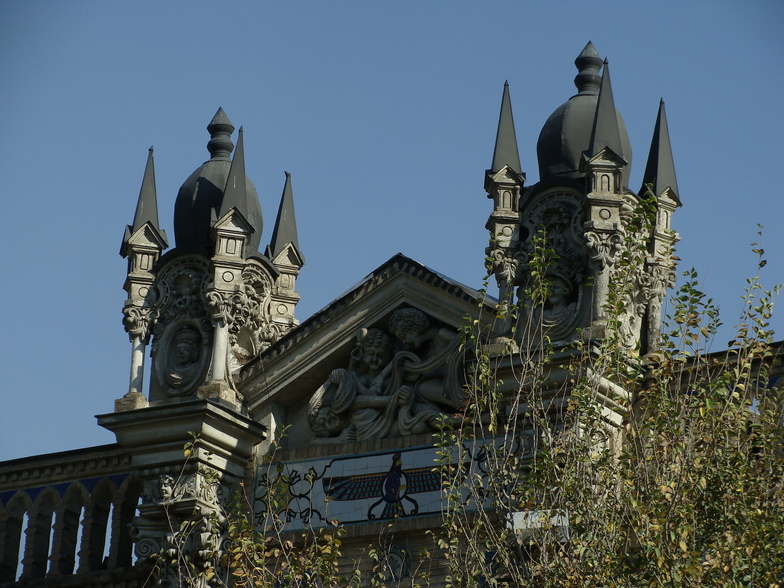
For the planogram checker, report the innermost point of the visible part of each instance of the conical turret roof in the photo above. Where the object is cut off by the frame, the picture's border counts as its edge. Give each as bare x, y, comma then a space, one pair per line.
660, 168
285, 231
505, 152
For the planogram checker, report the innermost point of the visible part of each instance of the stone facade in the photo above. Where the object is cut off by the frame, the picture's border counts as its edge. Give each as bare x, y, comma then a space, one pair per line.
335, 414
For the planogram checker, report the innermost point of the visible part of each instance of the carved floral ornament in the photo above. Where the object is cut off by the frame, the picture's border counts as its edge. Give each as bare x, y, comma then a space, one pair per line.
398, 382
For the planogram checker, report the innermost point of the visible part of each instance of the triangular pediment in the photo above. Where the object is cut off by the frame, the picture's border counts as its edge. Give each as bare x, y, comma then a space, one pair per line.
605, 157
234, 221
289, 255
505, 175
146, 236
288, 373
669, 197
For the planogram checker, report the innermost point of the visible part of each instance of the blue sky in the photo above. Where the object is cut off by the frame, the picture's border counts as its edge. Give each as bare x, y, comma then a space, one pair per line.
384, 113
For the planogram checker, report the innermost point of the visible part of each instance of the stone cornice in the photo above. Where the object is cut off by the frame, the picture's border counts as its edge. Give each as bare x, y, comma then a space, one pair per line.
64, 466
397, 264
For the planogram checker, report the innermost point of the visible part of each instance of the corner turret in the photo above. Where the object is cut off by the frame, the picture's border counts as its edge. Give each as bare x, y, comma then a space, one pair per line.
503, 183
142, 244
286, 256
580, 211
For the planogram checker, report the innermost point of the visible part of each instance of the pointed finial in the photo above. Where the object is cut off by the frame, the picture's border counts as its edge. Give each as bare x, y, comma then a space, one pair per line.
605, 133
235, 193
660, 168
285, 230
505, 152
147, 205
588, 64
220, 129
146, 209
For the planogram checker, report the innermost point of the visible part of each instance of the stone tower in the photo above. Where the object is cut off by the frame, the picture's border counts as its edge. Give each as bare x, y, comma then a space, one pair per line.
206, 308
580, 209
214, 301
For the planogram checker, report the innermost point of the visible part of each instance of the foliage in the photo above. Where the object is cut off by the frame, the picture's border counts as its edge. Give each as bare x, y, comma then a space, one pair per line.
684, 490
585, 464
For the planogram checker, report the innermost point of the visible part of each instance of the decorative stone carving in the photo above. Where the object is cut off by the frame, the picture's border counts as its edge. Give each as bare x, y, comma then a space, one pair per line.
557, 219
386, 394
137, 321
182, 333
182, 522
604, 247
434, 362
251, 328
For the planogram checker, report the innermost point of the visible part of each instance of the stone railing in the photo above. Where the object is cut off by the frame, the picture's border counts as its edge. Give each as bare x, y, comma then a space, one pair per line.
64, 518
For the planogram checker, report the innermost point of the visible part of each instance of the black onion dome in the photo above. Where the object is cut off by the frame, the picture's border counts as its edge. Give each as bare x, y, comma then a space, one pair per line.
200, 197
567, 133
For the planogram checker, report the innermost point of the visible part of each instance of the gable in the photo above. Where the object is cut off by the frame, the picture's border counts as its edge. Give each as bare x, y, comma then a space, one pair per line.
288, 374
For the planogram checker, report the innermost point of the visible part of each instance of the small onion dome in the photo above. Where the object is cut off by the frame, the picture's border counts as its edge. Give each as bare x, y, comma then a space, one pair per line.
199, 199
567, 133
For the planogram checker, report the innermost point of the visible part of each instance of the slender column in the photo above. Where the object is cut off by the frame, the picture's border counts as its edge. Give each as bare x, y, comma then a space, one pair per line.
137, 366
219, 351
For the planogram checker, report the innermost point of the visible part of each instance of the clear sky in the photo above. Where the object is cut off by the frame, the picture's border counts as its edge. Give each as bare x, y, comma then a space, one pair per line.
384, 113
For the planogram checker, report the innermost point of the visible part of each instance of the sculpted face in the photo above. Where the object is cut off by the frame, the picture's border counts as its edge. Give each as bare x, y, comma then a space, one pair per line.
558, 292
186, 351
329, 420
375, 356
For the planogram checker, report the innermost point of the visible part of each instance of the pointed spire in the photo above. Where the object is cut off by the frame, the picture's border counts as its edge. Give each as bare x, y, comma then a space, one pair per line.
147, 206
605, 132
505, 152
285, 230
220, 129
588, 64
660, 169
236, 195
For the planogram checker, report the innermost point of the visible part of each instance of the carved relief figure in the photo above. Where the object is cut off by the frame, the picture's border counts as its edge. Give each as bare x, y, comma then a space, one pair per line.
433, 363
561, 302
182, 333
556, 217
183, 364
380, 395
354, 403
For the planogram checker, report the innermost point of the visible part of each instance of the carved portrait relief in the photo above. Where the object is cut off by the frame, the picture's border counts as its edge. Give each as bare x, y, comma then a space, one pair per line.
556, 217
182, 334
397, 383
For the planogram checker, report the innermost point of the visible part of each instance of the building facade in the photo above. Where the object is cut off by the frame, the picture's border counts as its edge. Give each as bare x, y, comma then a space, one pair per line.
332, 418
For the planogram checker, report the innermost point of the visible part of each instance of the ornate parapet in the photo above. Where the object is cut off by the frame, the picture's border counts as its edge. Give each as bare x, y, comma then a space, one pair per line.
64, 517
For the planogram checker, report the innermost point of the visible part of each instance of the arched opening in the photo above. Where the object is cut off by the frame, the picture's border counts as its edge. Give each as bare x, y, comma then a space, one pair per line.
130, 497
39, 535
68, 530
96, 523
12, 524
